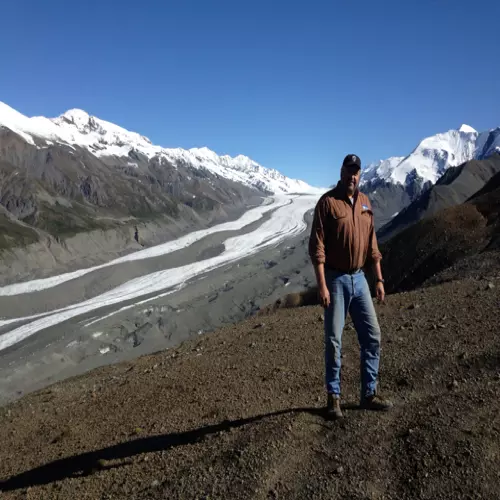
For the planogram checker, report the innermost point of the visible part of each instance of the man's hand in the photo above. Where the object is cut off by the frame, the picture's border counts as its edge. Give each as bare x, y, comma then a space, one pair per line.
324, 296
380, 292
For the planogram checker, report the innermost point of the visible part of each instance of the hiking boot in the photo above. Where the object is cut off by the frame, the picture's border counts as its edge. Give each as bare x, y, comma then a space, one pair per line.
376, 403
333, 410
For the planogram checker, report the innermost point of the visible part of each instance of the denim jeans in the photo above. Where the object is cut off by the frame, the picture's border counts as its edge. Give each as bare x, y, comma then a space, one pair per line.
350, 293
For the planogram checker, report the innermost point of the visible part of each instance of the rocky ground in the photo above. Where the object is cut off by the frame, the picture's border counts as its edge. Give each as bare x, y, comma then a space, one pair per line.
238, 413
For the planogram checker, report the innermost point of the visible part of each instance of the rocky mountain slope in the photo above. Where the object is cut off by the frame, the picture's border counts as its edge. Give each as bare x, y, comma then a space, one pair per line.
239, 413
455, 186
62, 190
456, 241
394, 183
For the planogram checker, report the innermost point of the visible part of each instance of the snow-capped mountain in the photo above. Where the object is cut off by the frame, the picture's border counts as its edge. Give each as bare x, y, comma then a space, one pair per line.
105, 139
433, 156
394, 183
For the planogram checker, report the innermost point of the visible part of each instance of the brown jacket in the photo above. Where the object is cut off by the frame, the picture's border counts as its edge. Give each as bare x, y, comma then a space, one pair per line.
343, 234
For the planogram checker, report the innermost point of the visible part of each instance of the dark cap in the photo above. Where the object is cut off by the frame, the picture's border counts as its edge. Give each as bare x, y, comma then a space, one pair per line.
351, 160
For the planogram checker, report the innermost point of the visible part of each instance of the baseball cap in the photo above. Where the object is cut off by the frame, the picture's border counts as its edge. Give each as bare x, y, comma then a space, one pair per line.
351, 160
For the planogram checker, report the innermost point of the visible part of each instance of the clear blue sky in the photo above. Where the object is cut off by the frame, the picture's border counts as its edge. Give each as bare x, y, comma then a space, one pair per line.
293, 84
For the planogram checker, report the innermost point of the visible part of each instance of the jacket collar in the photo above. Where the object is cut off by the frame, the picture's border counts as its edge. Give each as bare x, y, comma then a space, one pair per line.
342, 192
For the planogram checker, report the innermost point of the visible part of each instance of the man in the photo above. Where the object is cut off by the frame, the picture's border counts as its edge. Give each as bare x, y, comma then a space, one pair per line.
341, 243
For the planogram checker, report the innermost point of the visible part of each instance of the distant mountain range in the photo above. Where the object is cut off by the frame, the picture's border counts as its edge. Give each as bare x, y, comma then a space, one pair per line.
107, 140
394, 183
76, 173
63, 176
456, 186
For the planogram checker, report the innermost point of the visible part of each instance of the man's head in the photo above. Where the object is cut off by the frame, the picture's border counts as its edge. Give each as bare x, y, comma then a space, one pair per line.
350, 173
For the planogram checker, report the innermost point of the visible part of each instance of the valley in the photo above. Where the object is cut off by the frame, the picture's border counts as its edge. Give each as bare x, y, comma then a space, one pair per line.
153, 299
174, 179
176, 284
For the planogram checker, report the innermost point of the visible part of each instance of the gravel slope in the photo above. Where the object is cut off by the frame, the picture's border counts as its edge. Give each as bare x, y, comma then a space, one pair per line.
238, 413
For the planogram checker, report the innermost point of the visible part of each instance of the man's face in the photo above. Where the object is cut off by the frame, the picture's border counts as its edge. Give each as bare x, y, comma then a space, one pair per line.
349, 176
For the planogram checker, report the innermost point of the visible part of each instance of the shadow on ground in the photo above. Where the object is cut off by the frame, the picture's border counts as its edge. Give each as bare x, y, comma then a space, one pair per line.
86, 464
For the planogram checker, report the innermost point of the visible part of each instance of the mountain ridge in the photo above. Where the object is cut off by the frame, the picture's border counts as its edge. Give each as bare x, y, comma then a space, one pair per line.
394, 183
455, 186
434, 155
102, 138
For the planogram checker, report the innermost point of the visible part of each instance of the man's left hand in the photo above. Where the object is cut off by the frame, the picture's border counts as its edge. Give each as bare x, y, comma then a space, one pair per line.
380, 292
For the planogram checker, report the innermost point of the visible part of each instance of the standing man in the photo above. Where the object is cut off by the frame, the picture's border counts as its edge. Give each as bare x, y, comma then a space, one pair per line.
341, 243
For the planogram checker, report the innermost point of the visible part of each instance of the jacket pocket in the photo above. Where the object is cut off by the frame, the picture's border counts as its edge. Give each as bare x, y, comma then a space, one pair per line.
339, 214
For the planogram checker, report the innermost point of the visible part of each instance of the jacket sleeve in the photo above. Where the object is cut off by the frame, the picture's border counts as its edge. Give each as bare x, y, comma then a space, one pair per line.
317, 237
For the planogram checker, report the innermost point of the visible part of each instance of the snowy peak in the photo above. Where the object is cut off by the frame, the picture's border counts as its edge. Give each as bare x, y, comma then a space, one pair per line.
76, 116
105, 139
466, 129
77, 121
432, 157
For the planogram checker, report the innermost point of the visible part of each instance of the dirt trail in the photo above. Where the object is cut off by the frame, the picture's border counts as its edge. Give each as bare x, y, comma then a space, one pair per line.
239, 413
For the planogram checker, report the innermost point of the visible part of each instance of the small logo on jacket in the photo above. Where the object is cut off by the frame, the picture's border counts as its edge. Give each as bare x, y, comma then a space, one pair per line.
365, 207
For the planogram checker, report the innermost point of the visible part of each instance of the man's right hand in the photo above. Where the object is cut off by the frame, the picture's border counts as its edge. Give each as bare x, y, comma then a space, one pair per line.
324, 296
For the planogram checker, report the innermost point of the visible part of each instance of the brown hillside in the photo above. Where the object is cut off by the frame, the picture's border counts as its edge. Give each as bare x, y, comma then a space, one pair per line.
464, 235
239, 414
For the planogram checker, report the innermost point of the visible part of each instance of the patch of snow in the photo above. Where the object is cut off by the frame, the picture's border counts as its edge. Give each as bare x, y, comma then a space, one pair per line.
466, 129
125, 308
104, 350
16, 122
380, 170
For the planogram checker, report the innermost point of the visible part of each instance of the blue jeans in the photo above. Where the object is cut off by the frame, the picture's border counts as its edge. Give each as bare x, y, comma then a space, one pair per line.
351, 293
